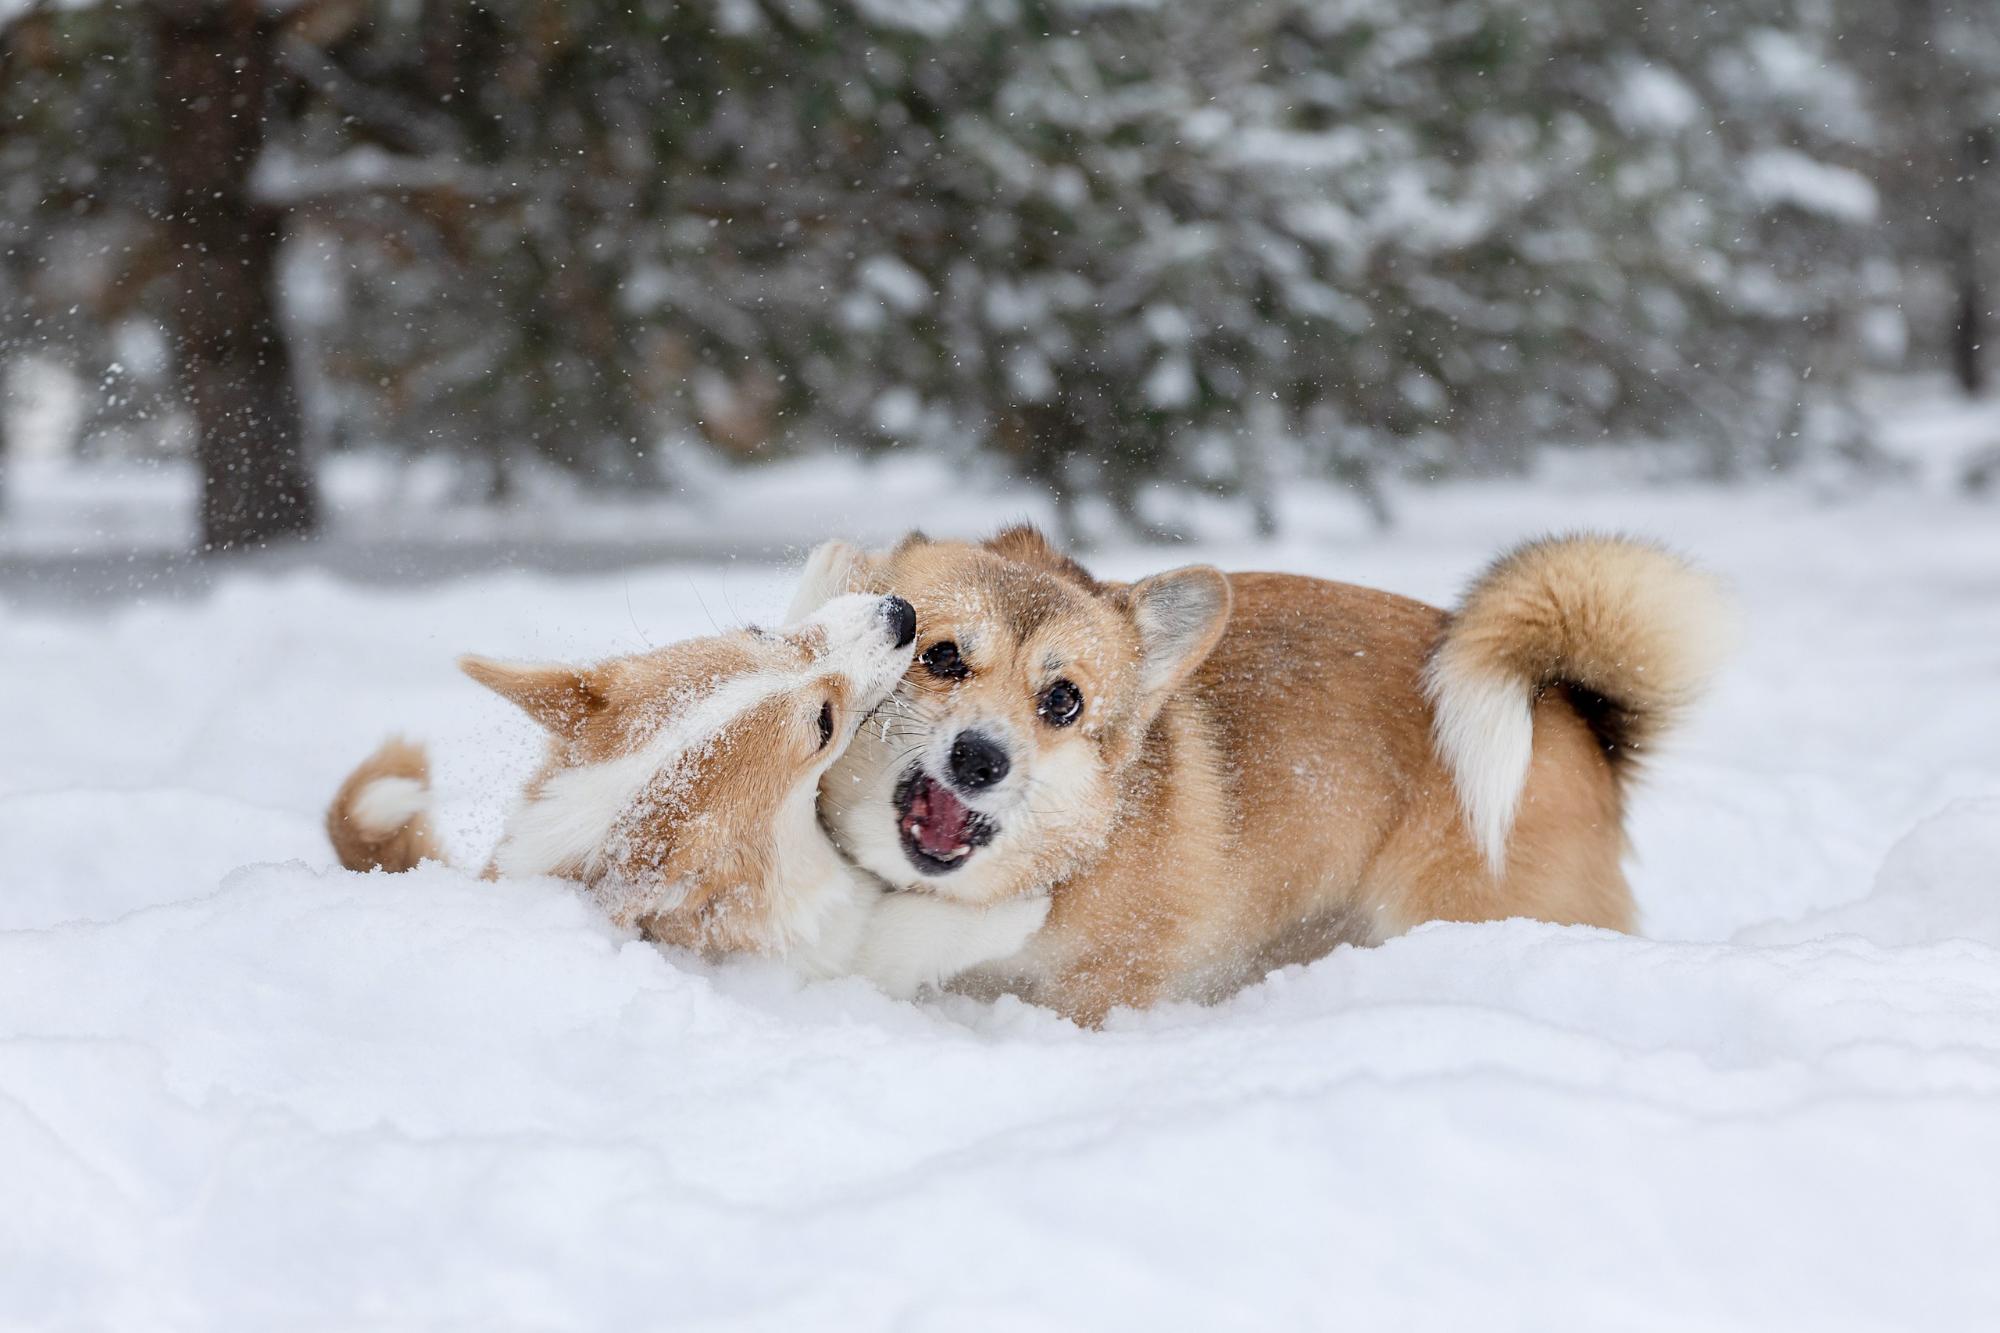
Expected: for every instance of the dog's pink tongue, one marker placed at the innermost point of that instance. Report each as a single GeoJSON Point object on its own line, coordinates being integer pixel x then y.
{"type": "Point", "coordinates": [941, 819]}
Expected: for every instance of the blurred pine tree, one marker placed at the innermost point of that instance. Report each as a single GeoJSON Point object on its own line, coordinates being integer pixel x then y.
{"type": "Point", "coordinates": [1109, 245]}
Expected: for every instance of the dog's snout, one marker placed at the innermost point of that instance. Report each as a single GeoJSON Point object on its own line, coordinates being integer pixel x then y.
{"type": "Point", "coordinates": [901, 618]}
{"type": "Point", "coordinates": [977, 762]}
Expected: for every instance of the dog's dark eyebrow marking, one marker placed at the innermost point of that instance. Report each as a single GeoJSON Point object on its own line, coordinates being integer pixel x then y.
{"type": "Point", "coordinates": [1027, 600]}
{"type": "Point", "coordinates": [1052, 664]}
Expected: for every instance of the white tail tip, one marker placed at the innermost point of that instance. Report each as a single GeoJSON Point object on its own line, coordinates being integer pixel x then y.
{"type": "Point", "coordinates": [1485, 731]}
{"type": "Point", "coordinates": [386, 804]}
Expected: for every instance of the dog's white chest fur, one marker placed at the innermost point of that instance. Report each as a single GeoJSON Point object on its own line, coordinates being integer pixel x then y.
{"type": "Point", "coordinates": [820, 905]}
{"type": "Point", "coordinates": [838, 921]}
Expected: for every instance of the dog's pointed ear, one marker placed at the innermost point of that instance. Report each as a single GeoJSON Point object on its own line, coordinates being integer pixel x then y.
{"type": "Point", "coordinates": [1180, 615]}
{"type": "Point", "coordinates": [559, 697]}
{"type": "Point", "coordinates": [1024, 544]}
{"type": "Point", "coordinates": [832, 569]}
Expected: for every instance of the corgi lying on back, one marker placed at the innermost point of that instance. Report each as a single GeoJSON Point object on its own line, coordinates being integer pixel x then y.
{"type": "Point", "coordinates": [680, 790]}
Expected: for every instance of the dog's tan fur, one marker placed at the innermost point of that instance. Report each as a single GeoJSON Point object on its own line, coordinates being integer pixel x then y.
{"type": "Point", "coordinates": [705, 825]}
{"type": "Point", "coordinates": [679, 788]}
{"type": "Point", "coordinates": [1287, 780]}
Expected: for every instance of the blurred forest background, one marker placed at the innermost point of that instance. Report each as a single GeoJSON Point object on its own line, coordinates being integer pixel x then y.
{"type": "Point", "coordinates": [1207, 243]}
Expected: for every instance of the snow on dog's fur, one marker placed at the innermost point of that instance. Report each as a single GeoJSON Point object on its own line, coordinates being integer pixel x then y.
{"type": "Point", "coordinates": [1219, 774]}
{"type": "Point", "coordinates": [679, 788]}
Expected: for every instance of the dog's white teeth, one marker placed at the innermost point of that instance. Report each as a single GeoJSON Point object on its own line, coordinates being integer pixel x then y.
{"type": "Point", "coordinates": [963, 849]}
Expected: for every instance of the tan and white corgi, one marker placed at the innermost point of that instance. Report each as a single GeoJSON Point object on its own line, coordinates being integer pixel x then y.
{"type": "Point", "coordinates": [679, 789]}
{"type": "Point", "coordinates": [1218, 774]}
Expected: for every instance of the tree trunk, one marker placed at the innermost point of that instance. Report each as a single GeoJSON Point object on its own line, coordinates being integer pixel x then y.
{"type": "Point", "coordinates": [1968, 335]}
{"type": "Point", "coordinates": [213, 65]}
{"type": "Point", "coordinates": [6, 428]}
{"type": "Point", "coordinates": [441, 33]}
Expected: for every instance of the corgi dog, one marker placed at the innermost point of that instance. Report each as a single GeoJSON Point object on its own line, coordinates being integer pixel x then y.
{"type": "Point", "coordinates": [1217, 774]}
{"type": "Point", "coordinates": [680, 789]}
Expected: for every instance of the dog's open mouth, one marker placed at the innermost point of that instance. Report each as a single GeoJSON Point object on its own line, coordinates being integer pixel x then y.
{"type": "Point", "coordinates": [940, 832]}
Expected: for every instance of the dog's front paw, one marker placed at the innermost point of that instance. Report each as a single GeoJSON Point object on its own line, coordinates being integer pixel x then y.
{"type": "Point", "coordinates": [917, 941]}
{"type": "Point", "coordinates": [628, 903]}
{"type": "Point", "coordinates": [833, 568]}
{"type": "Point", "coordinates": [1012, 923]}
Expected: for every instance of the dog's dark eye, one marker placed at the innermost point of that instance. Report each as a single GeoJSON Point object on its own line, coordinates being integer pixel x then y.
{"type": "Point", "coordinates": [942, 659]}
{"type": "Point", "coordinates": [1062, 704]}
{"type": "Point", "coordinates": [825, 724]}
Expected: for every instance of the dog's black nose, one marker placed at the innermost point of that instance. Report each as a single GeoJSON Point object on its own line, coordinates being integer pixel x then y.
{"type": "Point", "coordinates": [977, 762]}
{"type": "Point", "coordinates": [902, 620]}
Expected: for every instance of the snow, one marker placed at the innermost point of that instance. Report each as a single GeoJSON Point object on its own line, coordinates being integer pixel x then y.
{"type": "Point", "coordinates": [1784, 176]}
{"type": "Point", "coordinates": [1655, 100]}
{"type": "Point", "coordinates": [895, 282]}
{"type": "Point", "coordinates": [240, 1089]}
{"type": "Point", "coordinates": [283, 178]}
{"type": "Point", "coordinates": [932, 18]}
{"type": "Point", "coordinates": [10, 10]}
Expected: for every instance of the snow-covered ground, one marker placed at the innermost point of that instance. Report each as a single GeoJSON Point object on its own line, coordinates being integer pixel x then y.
{"type": "Point", "coordinates": [242, 1090]}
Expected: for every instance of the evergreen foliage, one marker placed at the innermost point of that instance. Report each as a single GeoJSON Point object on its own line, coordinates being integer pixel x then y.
{"type": "Point", "coordinates": [1109, 242]}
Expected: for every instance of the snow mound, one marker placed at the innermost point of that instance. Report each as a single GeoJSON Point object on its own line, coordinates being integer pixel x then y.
{"type": "Point", "coordinates": [241, 1090]}
{"type": "Point", "coordinates": [77, 849]}
{"type": "Point", "coordinates": [1940, 883]}
{"type": "Point", "coordinates": [319, 1099]}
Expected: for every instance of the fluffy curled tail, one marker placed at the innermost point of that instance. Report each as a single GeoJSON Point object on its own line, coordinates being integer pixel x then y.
{"type": "Point", "coordinates": [380, 818]}
{"type": "Point", "coordinates": [1629, 632]}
